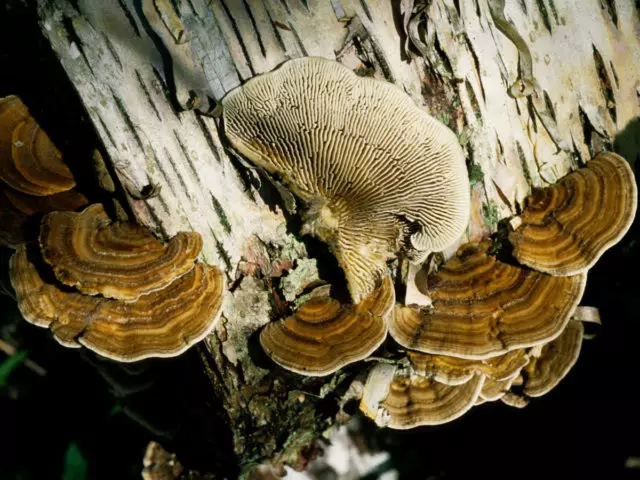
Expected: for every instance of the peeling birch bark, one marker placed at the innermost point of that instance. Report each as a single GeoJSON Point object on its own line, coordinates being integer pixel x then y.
{"type": "Point", "coordinates": [137, 64]}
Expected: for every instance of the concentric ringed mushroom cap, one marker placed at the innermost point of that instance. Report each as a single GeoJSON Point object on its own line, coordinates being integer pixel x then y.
{"type": "Point", "coordinates": [483, 308]}
{"type": "Point", "coordinates": [29, 161]}
{"type": "Point", "coordinates": [407, 401]}
{"type": "Point", "coordinates": [378, 172]}
{"type": "Point", "coordinates": [115, 259]}
{"type": "Point", "coordinates": [323, 335]}
{"type": "Point", "coordinates": [556, 359]}
{"type": "Point", "coordinates": [456, 371]}
{"type": "Point", "coordinates": [567, 226]}
{"type": "Point", "coordinates": [161, 324]}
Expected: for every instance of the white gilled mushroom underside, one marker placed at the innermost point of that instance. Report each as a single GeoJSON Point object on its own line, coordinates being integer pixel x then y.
{"type": "Point", "coordinates": [378, 173]}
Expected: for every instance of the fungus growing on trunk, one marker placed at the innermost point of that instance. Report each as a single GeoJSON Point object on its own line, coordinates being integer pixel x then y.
{"type": "Point", "coordinates": [120, 260]}
{"type": "Point", "coordinates": [401, 401]}
{"type": "Point", "coordinates": [323, 336]}
{"type": "Point", "coordinates": [168, 307]}
{"type": "Point", "coordinates": [483, 308]}
{"type": "Point", "coordinates": [379, 174]}
{"type": "Point", "coordinates": [163, 323]}
{"type": "Point", "coordinates": [566, 227]}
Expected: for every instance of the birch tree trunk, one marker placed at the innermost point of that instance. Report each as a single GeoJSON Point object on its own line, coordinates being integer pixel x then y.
{"type": "Point", "coordinates": [148, 72]}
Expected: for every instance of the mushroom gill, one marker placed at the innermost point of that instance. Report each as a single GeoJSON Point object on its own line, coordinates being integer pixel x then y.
{"type": "Point", "coordinates": [379, 174]}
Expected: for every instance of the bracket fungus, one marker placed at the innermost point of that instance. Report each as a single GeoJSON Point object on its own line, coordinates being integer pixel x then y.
{"type": "Point", "coordinates": [161, 323]}
{"type": "Point", "coordinates": [401, 401]}
{"type": "Point", "coordinates": [483, 308]}
{"type": "Point", "coordinates": [379, 174]}
{"type": "Point", "coordinates": [323, 335]}
{"type": "Point", "coordinates": [89, 251]}
{"type": "Point", "coordinates": [456, 371]}
{"type": "Point", "coordinates": [29, 161]}
{"type": "Point", "coordinates": [566, 227]}
{"type": "Point", "coordinates": [556, 358]}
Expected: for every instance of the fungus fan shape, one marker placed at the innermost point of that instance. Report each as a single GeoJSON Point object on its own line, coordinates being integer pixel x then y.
{"type": "Point", "coordinates": [116, 259]}
{"type": "Point", "coordinates": [567, 226]}
{"type": "Point", "coordinates": [555, 360]}
{"type": "Point", "coordinates": [29, 161]}
{"type": "Point", "coordinates": [323, 335]}
{"type": "Point", "coordinates": [378, 173]}
{"type": "Point", "coordinates": [161, 322]}
{"type": "Point", "coordinates": [483, 307]}
{"type": "Point", "coordinates": [399, 400]}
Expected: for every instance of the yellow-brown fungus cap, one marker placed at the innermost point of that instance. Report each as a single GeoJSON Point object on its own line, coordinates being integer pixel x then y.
{"type": "Point", "coordinates": [483, 308]}
{"type": "Point", "coordinates": [410, 401]}
{"type": "Point", "coordinates": [115, 259]}
{"type": "Point", "coordinates": [544, 372]}
{"type": "Point", "coordinates": [324, 335]}
{"type": "Point", "coordinates": [456, 371]}
{"type": "Point", "coordinates": [29, 161]}
{"type": "Point", "coordinates": [161, 324]}
{"type": "Point", "coordinates": [566, 227]}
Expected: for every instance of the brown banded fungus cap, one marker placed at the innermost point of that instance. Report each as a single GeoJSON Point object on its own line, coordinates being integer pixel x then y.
{"type": "Point", "coordinates": [406, 401]}
{"type": "Point", "coordinates": [29, 161]}
{"type": "Point", "coordinates": [483, 308]}
{"type": "Point", "coordinates": [324, 335]}
{"type": "Point", "coordinates": [566, 227]}
{"type": "Point", "coordinates": [456, 371]}
{"type": "Point", "coordinates": [161, 324]}
{"type": "Point", "coordinates": [544, 372]}
{"type": "Point", "coordinates": [379, 174]}
{"type": "Point", "coordinates": [115, 259]}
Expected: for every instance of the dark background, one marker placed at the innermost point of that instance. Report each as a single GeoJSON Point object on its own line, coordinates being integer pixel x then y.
{"type": "Point", "coordinates": [95, 414]}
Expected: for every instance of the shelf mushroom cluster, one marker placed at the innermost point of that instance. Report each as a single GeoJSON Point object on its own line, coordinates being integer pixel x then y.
{"type": "Point", "coordinates": [114, 288]}
{"type": "Point", "coordinates": [34, 178]}
{"type": "Point", "coordinates": [379, 177]}
{"type": "Point", "coordinates": [498, 331]}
